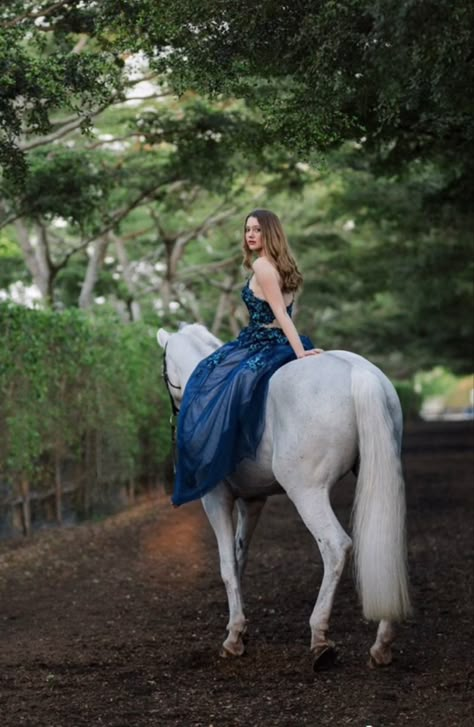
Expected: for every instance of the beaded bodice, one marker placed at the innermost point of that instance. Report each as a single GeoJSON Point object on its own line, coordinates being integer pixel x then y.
{"type": "Point", "coordinates": [260, 311]}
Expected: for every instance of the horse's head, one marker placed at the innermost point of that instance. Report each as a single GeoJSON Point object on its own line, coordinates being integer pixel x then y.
{"type": "Point", "coordinates": [182, 351]}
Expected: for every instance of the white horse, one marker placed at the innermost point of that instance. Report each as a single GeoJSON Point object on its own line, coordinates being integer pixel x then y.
{"type": "Point", "coordinates": [325, 416]}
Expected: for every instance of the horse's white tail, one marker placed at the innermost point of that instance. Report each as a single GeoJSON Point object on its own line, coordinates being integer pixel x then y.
{"type": "Point", "coordinates": [379, 508]}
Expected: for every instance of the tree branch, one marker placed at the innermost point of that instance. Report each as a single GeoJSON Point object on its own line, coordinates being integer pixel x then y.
{"type": "Point", "coordinates": [138, 233]}
{"type": "Point", "coordinates": [143, 98]}
{"type": "Point", "coordinates": [73, 122]}
{"type": "Point", "coordinates": [115, 219]}
{"type": "Point", "coordinates": [127, 275]}
{"type": "Point", "coordinates": [132, 134]}
{"type": "Point", "coordinates": [81, 43]}
{"type": "Point", "coordinates": [135, 81]}
{"type": "Point", "coordinates": [167, 238]}
{"type": "Point", "coordinates": [194, 270]}
{"type": "Point", "coordinates": [212, 220]}
{"type": "Point", "coordinates": [127, 84]}
{"type": "Point", "coordinates": [191, 304]}
{"type": "Point", "coordinates": [62, 131]}
{"type": "Point", "coordinates": [10, 220]}
{"type": "Point", "coordinates": [38, 14]}
{"type": "Point", "coordinates": [224, 303]}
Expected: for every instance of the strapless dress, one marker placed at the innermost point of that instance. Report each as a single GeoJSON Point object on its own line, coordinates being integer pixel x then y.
{"type": "Point", "coordinates": [222, 415]}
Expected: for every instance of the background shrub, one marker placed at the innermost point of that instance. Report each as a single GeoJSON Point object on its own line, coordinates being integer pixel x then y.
{"type": "Point", "coordinates": [81, 398]}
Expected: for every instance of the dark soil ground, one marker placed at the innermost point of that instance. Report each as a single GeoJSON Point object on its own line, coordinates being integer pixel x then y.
{"type": "Point", "coordinates": [119, 623]}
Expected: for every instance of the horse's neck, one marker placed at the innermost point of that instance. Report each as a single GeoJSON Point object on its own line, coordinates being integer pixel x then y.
{"type": "Point", "coordinates": [191, 356]}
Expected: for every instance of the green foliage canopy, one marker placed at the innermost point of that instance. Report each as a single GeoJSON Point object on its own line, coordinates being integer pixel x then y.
{"type": "Point", "coordinates": [39, 76]}
{"type": "Point", "coordinates": [399, 74]}
{"type": "Point", "coordinates": [313, 75]}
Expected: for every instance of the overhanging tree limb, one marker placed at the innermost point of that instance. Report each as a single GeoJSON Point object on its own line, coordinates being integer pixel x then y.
{"type": "Point", "coordinates": [117, 217]}
{"type": "Point", "coordinates": [127, 83]}
{"type": "Point", "coordinates": [198, 270]}
{"type": "Point", "coordinates": [73, 124]}
{"type": "Point", "coordinates": [32, 15]}
{"type": "Point", "coordinates": [215, 219]}
{"type": "Point", "coordinates": [54, 136]}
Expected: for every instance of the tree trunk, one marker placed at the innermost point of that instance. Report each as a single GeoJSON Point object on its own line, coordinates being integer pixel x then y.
{"type": "Point", "coordinates": [58, 490]}
{"type": "Point", "coordinates": [134, 307]}
{"type": "Point", "coordinates": [190, 303]}
{"type": "Point", "coordinates": [234, 326]}
{"type": "Point", "coordinates": [35, 257]}
{"type": "Point", "coordinates": [26, 505]}
{"type": "Point", "coordinates": [94, 266]}
{"type": "Point", "coordinates": [165, 292]}
{"type": "Point", "coordinates": [225, 306]}
{"type": "Point", "coordinates": [88, 473]}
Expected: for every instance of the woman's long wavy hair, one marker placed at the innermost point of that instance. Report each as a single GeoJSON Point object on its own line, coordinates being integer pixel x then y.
{"type": "Point", "coordinates": [276, 248]}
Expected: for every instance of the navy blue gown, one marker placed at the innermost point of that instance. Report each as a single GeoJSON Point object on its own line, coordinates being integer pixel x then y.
{"type": "Point", "coordinates": [222, 414]}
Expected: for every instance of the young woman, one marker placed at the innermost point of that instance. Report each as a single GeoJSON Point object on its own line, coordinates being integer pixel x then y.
{"type": "Point", "coordinates": [222, 413]}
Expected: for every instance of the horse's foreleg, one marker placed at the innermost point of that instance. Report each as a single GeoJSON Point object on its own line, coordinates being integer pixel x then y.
{"type": "Point", "coordinates": [249, 514]}
{"type": "Point", "coordinates": [381, 651]}
{"type": "Point", "coordinates": [334, 544]}
{"type": "Point", "coordinates": [218, 505]}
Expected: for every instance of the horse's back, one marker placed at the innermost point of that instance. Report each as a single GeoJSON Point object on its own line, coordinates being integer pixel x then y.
{"type": "Point", "coordinates": [312, 387]}
{"type": "Point", "coordinates": [327, 376]}
{"type": "Point", "coordinates": [311, 415]}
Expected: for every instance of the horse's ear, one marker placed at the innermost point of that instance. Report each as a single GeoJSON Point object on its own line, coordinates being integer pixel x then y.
{"type": "Point", "coordinates": [162, 337]}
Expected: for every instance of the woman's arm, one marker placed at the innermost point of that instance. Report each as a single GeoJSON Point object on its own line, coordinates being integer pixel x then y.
{"type": "Point", "coordinates": [267, 279]}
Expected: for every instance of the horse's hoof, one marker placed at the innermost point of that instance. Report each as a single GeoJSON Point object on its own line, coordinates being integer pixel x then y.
{"type": "Point", "coordinates": [324, 658]}
{"type": "Point", "coordinates": [227, 652]}
{"type": "Point", "coordinates": [374, 663]}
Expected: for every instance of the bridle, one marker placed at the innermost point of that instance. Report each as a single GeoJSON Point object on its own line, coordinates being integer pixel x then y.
{"type": "Point", "coordinates": [174, 408]}
{"type": "Point", "coordinates": [169, 384]}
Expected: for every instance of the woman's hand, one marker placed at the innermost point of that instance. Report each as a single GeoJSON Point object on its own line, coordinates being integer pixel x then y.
{"type": "Point", "coordinates": [311, 352]}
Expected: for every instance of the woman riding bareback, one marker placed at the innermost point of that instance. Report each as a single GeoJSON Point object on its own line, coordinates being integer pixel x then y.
{"type": "Point", "coordinates": [221, 417]}
{"type": "Point", "coordinates": [276, 277]}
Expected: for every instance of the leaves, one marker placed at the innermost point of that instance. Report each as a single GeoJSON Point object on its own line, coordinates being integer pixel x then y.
{"type": "Point", "coordinates": [353, 120]}
{"type": "Point", "coordinates": [63, 375]}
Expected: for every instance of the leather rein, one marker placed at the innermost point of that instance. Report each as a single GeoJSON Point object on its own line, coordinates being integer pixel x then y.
{"type": "Point", "coordinates": [174, 408]}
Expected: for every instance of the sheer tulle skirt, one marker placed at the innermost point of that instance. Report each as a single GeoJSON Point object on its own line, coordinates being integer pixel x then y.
{"type": "Point", "coordinates": [221, 418]}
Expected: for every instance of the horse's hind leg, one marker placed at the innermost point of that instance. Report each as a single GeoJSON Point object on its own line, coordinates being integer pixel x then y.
{"type": "Point", "coordinates": [381, 651]}
{"type": "Point", "coordinates": [334, 544]}
{"type": "Point", "coordinates": [218, 505]}
{"type": "Point", "coordinates": [249, 512]}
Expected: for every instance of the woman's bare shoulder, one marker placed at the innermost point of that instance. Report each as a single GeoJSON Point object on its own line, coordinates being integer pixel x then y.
{"type": "Point", "coordinates": [262, 265]}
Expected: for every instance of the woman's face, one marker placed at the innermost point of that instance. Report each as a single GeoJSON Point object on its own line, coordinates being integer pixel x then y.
{"type": "Point", "coordinates": [253, 235]}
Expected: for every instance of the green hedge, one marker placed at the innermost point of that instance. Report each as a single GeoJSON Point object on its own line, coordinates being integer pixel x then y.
{"type": "Point", "coordinates": [410, 399]}
{"type": "Point", "coordinates": [67, 380]}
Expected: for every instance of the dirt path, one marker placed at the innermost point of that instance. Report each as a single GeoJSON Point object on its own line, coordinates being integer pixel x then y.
{"type": "Point", "coordinates": [119, 623]}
